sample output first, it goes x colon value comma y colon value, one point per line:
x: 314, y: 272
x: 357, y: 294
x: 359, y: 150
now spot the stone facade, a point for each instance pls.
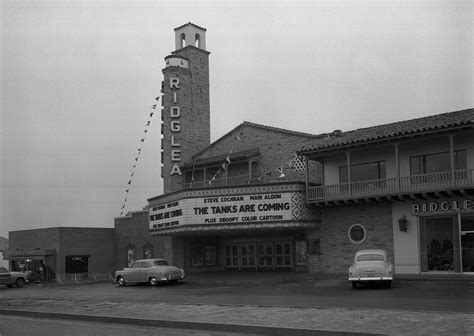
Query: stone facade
x: 337, y: 250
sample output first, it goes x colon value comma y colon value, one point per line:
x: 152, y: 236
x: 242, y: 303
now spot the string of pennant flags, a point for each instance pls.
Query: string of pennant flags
x: 297, y: 163
x: 137, y: 156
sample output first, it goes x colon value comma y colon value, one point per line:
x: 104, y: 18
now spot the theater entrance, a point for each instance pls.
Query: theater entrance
x: 259, y: 256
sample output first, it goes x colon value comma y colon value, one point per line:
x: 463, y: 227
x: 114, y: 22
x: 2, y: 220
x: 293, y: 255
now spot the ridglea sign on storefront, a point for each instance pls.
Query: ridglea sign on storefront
x: 223, y: 210
x: 442, y: 206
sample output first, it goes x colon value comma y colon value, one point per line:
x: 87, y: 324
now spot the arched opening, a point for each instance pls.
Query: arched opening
x: 183, y: 40
x: 197, y: 42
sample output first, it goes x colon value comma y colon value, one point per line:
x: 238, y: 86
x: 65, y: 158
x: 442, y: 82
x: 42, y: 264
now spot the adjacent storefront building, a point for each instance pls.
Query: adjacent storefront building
x: 409, y: 189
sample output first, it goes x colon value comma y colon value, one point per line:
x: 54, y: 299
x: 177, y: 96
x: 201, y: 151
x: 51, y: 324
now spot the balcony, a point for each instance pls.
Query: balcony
x: 413, y: 187
x: 224, y: 182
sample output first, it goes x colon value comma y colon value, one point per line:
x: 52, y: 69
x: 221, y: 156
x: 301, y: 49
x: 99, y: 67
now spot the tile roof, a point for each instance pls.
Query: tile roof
x: 420, y: 126
x: 192, y: 24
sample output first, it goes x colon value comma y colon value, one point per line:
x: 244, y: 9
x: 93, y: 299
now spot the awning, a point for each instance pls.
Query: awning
x: 28, y: 254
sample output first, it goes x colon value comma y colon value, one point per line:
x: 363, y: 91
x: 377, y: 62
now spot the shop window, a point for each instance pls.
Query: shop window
x: 439, y: 243
x: 130, y: 255
x: 437, y: 163
x: 197, y: 256
x: 363, y: 172
x: 301, y: 252
x: 314, y: 247
x: 210, y: 256
x: 77, y: 264
x: 203, y: 254
x: 356, y: 233
x: 147, y: 251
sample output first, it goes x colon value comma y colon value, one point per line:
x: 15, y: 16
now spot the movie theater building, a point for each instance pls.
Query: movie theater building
x: 407, y: 187
x: 236, y: 204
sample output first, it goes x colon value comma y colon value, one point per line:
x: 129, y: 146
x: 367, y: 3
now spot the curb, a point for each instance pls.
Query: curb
x: 234, y: 328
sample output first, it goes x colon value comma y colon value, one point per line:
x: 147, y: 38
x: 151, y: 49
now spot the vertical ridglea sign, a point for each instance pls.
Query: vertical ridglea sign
x: 175, y: 127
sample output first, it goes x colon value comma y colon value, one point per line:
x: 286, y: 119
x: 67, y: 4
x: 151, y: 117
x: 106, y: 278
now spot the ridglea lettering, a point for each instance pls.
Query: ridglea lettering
x: 175, y: 126
x: 443, y: 206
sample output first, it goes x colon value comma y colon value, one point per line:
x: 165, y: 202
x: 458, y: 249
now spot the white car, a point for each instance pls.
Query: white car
x: 12, y: 278
x: 371, y: 266
x: 153, y: 271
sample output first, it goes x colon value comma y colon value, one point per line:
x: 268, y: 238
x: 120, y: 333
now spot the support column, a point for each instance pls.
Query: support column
x: 250, y: 171
x: 349, y: 181
x: 451, y: 155
x: 306, y: 162
x: 397, y: 166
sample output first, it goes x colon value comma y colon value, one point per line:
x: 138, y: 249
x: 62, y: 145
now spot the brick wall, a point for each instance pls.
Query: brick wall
x: 337, y: 250
x: 276, y: 149
x: 97, y: 243
x: 134, y: 230
x: 193, y: 101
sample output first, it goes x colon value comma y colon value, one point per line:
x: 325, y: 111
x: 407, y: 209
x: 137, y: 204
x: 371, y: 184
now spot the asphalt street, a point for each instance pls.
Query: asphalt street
x: 454, y: 296
x: 410, y: 307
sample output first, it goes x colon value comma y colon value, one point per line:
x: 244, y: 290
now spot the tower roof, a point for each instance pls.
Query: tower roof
x: 191, y: 24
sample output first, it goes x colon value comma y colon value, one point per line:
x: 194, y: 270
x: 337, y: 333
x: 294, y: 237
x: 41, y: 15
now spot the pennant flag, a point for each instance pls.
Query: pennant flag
x: 136, y: 159
x: 227, y: 160
x: 129, y: 182
x: 145, y: 131
x: 157, y: 98
x: 142, y: 139
x: 148, y: 123
x: 153, y: 106
x: 282, y: 174
x: 151, y: 114
x: 127, y: 190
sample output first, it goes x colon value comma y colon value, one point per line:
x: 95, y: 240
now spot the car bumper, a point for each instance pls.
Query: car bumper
x: 374, y: 278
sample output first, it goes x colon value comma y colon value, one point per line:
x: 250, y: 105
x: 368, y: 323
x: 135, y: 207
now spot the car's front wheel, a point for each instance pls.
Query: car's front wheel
x: 354, y: 284
x: 153, y: 281
x: 121, y: 281
x: 19, y: 282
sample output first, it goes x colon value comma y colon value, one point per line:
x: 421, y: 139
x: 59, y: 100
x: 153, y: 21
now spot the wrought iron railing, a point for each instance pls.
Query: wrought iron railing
x: 390, y: 186
x: 224, y: 181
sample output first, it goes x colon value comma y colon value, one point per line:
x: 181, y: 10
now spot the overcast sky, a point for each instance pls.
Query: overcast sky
x: 78, y: 79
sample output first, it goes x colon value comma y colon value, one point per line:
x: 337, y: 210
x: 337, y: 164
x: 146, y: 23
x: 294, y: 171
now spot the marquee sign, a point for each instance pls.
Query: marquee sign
x: 275, y: 207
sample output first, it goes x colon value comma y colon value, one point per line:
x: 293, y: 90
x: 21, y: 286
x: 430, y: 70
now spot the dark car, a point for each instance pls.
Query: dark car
x: 12, y: 278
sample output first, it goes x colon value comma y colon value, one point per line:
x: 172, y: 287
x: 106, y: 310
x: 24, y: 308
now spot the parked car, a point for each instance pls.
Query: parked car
x: 153, y: 271
x: 371, y: 266
x: 12, y: 278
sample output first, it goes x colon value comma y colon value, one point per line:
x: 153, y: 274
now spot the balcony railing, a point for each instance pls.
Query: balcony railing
x: 393, y: 186
x: 223, y: 181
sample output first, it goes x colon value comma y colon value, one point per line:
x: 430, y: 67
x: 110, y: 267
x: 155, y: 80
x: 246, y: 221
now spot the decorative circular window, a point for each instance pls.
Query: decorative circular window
x: 356, y: 233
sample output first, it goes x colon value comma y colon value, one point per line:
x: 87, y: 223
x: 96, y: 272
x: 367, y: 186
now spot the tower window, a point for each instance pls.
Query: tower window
x: 183, y: 40
x: 197, y: 42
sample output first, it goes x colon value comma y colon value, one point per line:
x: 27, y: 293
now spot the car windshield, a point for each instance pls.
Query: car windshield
x: 370, y: 257
x: 160, y: 263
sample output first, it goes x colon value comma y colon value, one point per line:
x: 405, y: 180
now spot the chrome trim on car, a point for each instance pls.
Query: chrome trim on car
x: 374, y: 278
